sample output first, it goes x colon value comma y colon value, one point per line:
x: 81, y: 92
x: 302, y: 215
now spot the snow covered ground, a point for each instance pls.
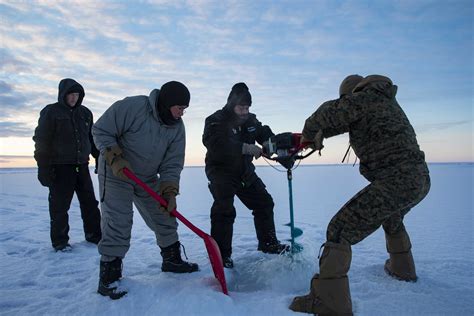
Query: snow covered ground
x: 37, y: 281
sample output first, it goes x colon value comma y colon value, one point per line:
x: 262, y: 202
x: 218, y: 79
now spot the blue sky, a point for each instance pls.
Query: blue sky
x: 291, y: 54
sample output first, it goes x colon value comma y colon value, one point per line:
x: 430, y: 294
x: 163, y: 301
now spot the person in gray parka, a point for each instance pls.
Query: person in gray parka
x: 147, y: 136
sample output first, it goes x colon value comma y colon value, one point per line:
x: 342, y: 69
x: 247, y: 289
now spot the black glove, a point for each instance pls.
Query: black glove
x: 46, y: 175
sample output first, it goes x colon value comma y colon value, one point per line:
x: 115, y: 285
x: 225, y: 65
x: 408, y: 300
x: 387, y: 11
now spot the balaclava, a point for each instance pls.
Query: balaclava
x: 171, y: 93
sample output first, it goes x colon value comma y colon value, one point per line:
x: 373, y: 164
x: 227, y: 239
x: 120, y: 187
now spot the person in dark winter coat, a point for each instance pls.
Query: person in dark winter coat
x: 229, y: 136
x: 146, y: 135
x: 391, y: 160
x: 63, y: 143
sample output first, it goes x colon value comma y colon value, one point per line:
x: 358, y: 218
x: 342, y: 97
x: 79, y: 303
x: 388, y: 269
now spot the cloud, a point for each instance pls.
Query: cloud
x: 10, y: 64
x: 292, y: 54
x: 281, y: 15
x: 92, y: 19
x: 424, y: 128
x: 10, y: 99
x: 5, y: 88
x: 8, y: 129
x: 17, y: 114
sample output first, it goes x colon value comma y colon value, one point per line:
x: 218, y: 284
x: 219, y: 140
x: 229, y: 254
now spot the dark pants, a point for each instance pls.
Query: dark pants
x: 254, y: 196
x: 67, y: 180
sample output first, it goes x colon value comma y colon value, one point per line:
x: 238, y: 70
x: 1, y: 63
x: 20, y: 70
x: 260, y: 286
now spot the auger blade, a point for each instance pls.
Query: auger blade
x: 295, y: 232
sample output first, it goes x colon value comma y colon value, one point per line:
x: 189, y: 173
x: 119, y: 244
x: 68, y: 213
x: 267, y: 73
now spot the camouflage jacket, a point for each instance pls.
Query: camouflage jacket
x: 379, y: 131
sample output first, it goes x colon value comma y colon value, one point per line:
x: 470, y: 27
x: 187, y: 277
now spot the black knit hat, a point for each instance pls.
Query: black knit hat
x: 239, y: 95
x: 171, y: 93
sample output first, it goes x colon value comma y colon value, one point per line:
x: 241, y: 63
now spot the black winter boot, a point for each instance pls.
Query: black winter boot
x: 272, y: 245
x: 65, y: 247
x: 172, y: 261
x: 109, y: 278
x: 228, y: 262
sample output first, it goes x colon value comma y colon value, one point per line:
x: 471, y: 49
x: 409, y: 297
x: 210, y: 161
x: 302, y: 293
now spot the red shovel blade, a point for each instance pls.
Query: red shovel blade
x: 211, y: 245
x: 216, y: 261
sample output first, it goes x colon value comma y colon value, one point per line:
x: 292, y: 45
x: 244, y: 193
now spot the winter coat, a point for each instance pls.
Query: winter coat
x: 63, y: 134
x: 223, y: 137
x: 379, y: 131
x: 150, y: 146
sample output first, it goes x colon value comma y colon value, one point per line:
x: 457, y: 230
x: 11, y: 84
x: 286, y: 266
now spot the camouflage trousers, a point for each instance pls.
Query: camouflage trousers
x: 383, y: 202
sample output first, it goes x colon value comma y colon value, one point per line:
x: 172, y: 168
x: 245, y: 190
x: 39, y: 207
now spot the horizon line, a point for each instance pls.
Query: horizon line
x: 301, y: 165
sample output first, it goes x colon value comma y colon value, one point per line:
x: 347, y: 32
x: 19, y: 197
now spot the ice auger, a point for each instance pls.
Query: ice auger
x: 286, y: 148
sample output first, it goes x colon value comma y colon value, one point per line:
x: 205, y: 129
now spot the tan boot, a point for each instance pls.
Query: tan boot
x: 310, y: 302
x: 330, y: 293
x: 400, y: 265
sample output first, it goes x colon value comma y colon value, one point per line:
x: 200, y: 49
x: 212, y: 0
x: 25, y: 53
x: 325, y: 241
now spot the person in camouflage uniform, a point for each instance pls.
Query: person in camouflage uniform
x: 391, y: 160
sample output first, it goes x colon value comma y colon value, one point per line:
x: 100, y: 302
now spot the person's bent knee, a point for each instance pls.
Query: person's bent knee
x: 223, y: 217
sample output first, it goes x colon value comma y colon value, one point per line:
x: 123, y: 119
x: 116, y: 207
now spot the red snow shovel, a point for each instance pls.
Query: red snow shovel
x: 211, y: 245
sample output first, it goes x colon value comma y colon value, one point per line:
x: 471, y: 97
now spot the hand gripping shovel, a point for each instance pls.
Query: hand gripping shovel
x: 211, y: 245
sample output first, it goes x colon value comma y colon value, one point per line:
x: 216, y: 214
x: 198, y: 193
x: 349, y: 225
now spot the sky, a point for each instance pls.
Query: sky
x: 292, y: 55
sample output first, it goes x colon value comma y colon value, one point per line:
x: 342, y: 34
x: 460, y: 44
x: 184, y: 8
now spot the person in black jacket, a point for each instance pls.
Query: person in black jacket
x: 63, y: 143
x: 229, y: 136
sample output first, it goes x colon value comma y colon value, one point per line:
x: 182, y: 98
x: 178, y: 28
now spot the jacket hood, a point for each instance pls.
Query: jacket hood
x: 379, y: 83
x: 67, y: 86
x: 152, y: 98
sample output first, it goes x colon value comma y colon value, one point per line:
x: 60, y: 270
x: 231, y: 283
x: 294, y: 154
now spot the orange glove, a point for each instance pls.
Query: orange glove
x: 168, y: 191
x: 114, y: 157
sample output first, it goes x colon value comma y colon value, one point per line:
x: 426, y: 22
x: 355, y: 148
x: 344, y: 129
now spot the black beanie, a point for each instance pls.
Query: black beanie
x: 239, y: 95
x: 171, y: 93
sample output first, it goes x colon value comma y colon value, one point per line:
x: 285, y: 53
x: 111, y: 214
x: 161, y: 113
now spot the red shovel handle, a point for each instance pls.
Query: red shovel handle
x: 211, y: 245
x: 163, y: 202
